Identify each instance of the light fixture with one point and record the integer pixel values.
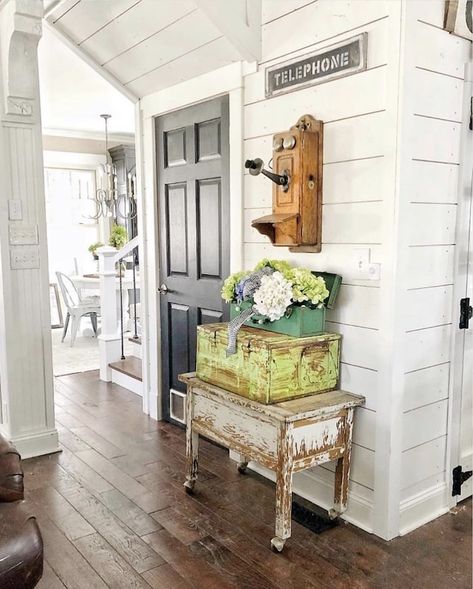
(108, 202)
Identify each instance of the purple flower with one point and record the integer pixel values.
(239, 290)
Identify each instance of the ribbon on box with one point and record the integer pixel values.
(247, 289)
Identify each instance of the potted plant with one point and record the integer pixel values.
(279, 297)
(118, 238)
(93, 249)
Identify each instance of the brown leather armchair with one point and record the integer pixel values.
(21, 545)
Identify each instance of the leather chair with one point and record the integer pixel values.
(21, 545)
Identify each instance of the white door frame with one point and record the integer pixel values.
(464, 212)
(226, 80)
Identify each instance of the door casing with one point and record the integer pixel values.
(194, 290)
(226, 80)
(463, 266)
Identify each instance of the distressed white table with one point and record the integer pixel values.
(286, 437)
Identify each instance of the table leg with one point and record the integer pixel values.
(342, 472)
(283, 488)
(242, 465)
(192, 446)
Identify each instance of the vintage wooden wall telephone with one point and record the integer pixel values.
(296, 221)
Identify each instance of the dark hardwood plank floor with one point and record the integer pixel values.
(113, 513)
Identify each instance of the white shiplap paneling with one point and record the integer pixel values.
(142, 21)
(424, 424)
(429, 266)
(425, 386)
(423, 461)
(440, 229)
(320, 21)
(183, 36)
(80, 22)
(428, 307)
(427, 347)
(438, 96)
(426, 143)
(433, 182)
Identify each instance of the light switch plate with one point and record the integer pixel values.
(364, 268)
(23, 235)
(24, 257)
(15, 212)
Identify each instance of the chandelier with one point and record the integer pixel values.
(108, 202)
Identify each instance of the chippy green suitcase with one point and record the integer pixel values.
(299, 321)
(268, 367)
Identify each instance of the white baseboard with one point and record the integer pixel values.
(37, 444)
(423, 507)
(127, 382)
(316, 489)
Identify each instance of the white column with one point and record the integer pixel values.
(109, 338)
(26, 377)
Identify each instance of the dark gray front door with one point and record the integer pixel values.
(193, 205)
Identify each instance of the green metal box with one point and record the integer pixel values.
(299, 321)
(268, 367)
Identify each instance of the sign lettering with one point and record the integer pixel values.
(338, 60)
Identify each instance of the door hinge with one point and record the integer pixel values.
(459, 477)
(466, 313)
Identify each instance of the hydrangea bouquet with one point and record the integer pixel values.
(274, 287)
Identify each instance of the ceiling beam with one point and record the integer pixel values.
(89, 60)
(241, 26)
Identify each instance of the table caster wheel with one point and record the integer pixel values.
(333, 513)
(189, 487)
(242, 467)
(277, 544)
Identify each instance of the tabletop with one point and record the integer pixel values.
(92, 281)
(294, 410)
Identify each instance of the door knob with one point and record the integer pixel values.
(163, 289)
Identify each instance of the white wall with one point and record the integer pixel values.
(430, 136)
(391, 156)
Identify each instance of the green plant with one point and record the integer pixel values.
(95, 246)
(118, 236)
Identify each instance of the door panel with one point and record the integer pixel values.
(209, 238)
(193, 206)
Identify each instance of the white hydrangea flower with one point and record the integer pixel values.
(273, 297)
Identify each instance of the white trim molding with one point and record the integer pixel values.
(423, 508)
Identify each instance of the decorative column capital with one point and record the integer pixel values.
(20, 32)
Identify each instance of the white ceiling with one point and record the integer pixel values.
(142, 46)
(73, 95)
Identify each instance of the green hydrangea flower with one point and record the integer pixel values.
(228, 289)
(278, 265)
(306, 287)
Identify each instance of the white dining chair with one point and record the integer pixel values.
(77, 306)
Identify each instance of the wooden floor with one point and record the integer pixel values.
(113, 513)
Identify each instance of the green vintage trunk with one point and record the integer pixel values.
(268, 367)
(299, 321)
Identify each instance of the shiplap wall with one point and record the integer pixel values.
(358, 170)
(430, 137)
(391, 159)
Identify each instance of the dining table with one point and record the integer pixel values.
(89, 285)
